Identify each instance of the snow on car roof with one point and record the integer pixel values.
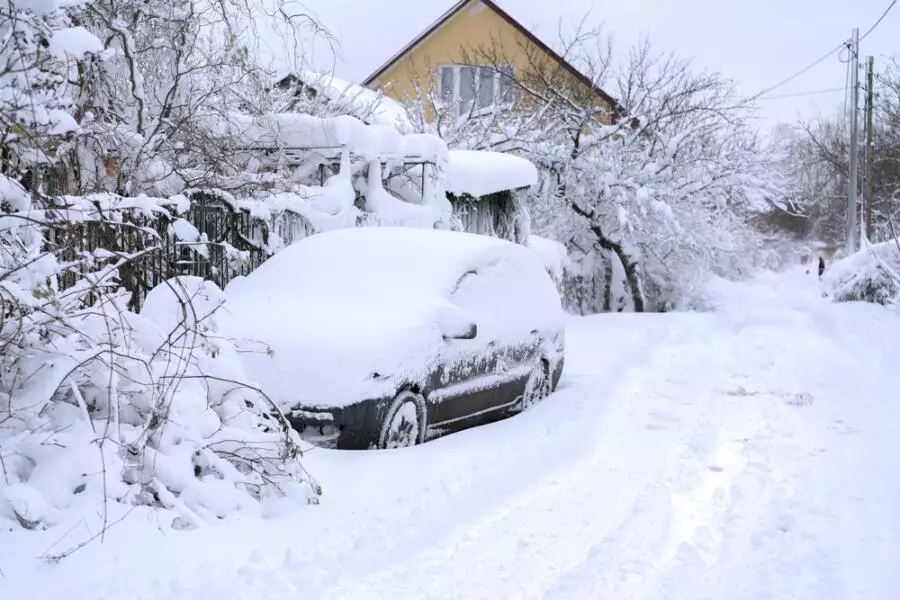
(339, 306)
(378, 255)
(481, 172)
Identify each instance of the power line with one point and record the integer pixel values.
(810, 66)
(809, 93)
(880, 19)
(843, 45)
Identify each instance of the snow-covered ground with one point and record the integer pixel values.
(750, 452)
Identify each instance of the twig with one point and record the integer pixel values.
(55, 558)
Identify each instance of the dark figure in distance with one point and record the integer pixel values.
(821, 266)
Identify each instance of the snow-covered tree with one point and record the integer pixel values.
(661, 186)
(816, 166)
(169, 74)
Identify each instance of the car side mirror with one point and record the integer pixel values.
(455, 324)
(468, 333)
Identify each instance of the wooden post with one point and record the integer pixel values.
(870, 146)
(853, 179)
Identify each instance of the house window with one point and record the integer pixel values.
(476, 88)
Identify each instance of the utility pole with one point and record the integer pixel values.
(870, 148)
(852, 183)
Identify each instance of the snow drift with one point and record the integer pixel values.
(870, 275)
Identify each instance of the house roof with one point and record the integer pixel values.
(506, 17)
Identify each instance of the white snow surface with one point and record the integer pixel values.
(336, 307)
(744, 453)
(553, 254)
(482, 172)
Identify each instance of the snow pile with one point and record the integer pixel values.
(322, 208)
(333, 205)
(870, 275)
(350, 314)
(368, 105)
(328, 135)
(391, 210)
(479, 173)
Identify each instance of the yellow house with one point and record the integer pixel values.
(469, 57)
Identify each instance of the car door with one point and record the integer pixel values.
(482, 377)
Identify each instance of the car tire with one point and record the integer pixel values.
(404, 424)
(539, 384)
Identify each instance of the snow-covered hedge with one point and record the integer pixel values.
(870, 275)
(148, 409)
(98, 403)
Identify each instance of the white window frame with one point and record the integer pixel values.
(497, 95)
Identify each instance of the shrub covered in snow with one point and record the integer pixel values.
(870, 275)
(148, 408)
(98, 403)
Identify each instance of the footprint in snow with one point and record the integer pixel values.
(800, 399)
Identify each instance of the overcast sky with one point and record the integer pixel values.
(757, 43)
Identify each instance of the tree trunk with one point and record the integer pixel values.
(632, 274)
(607, 282)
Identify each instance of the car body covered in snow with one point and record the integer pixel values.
(387, 336)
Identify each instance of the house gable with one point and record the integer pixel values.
(472, 25)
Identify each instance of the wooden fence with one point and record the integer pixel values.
(233, 242)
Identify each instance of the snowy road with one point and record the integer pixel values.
(750, 452)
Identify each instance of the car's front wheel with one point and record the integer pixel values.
(538, 386)
(404, 423)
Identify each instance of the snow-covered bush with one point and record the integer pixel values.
(870, 275)
(151, 408)
(99, 403)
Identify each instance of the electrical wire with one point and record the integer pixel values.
(880, 19)
(810, 66)
(845, 45)
(809, 93)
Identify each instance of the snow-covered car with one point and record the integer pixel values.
(383, 337)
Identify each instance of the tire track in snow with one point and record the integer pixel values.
(579, 516)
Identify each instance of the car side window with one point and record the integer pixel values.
(495, 297)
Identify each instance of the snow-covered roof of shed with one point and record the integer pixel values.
(329, 136)
(479, 172)
(361, 102)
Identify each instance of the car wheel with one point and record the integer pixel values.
(538, 385)
(404, 424)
